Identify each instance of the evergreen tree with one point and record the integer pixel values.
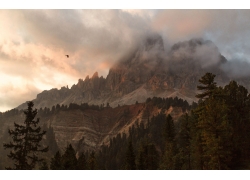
(130, 157)
(26, 138)
(169, 156)
(44, 166)
(169, 129)
(92, 161)
(51, 140)
(56, 162)
(69, 160)
(208, 85)
(141, 159)
(81, 162)
(238, 102)
(216, 135)
(184, 142)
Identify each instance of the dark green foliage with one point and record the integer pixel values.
(4, 160)
(51, 140)
(208, 85)
(130, 157)
(92, 161)
(165, 103)
(72, 106)
(25, 141)
(148, 157)
(169, 130)
(81, 162)
(170, 151)
(56, 162)
(44, 166)
(222, 135)
(69, 161)
(184, 141)
(238, 104)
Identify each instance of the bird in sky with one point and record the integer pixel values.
(67, 56)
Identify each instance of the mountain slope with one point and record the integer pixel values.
(88, 127)
(149, 71)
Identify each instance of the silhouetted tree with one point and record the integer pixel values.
(69, 160)
(92, 161)
(56, 162)
(44, 166)
(208, 85)
(26, 138)
(130, 157)
(81, 162)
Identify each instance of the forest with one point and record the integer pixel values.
(212, 134)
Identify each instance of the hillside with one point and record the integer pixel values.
(89, 127)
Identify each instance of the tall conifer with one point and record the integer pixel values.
(25, 141)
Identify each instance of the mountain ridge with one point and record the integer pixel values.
(149, 71)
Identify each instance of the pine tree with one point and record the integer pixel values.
(92, 161)
(51, 140)
(169, 155)
(26, 138)
(169, 129)
(69, 160)
(216, 134)
(56, 162)
(238, 102)
(44, 166)
(81, 162)
(130, 157)
(141, 159)
(184, 140)
(208, 85)
(149, 157)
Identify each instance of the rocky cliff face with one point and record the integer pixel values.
(90, 128)
(148, 71)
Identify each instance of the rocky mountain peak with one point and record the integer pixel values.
(87, 77)
(95, 75)
(148, 71)
(153, 42)
(190, 44)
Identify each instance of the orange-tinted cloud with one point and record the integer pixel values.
(33, 43)
(180, 24)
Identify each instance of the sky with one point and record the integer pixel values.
(34, 42)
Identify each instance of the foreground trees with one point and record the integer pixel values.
(213, 135)
(25, 141)
(223, 122)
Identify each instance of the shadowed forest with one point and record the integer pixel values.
(212, 134)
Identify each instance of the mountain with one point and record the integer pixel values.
(140, 86)
(147, 72)
(89, 127)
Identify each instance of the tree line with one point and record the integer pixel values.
(212, 134)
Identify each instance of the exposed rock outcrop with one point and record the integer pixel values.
(90, 128)
(148, 72)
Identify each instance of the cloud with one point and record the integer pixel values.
(237, 68)
(33, 43)
(15, 92)
(228, 29)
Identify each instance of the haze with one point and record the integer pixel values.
(33, 43)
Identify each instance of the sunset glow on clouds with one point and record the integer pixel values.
(33, 43)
